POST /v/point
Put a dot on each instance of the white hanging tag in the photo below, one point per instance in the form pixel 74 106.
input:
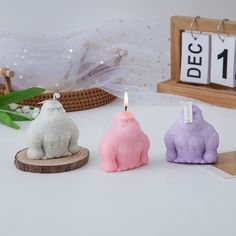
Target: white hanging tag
pixel 188 112
pixel 195 63
pixel 223 60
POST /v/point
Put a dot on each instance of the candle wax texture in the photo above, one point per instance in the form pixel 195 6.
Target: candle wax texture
pixel 124 146
pixel 52 133
pixel 194 142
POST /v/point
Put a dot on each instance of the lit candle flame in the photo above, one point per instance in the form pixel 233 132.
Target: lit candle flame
pixel 126 100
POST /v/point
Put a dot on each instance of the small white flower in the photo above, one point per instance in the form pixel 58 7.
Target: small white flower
pixel 13 106
pixel 19 110
pixel 34 115
pixel 36 109
pixel 26 109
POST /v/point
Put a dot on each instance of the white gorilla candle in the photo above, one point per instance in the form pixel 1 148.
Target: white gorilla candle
pixel 52 134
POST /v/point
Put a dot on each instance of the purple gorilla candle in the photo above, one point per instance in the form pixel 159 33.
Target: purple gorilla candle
pixel 124 146
pixel 195 142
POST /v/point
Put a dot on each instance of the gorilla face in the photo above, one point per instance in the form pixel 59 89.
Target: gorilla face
pixel 125 123
pixel 52 109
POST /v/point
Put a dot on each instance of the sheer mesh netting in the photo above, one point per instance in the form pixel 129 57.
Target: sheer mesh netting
pixel 115 55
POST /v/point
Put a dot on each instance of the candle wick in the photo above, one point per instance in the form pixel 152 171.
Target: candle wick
pixel 126 107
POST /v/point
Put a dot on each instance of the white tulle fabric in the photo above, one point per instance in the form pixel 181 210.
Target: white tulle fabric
pixel 115 55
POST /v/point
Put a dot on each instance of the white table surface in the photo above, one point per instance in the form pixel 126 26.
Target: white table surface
pixel 158 199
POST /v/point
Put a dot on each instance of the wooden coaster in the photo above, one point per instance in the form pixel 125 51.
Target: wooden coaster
pixel 227 163
pixel 54 165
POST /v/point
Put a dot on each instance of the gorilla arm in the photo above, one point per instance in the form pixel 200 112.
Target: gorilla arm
pixel 108 156
pixel 211 145
pixel 73 145
pixel 144 154
pixel 35 150
pixel 171 153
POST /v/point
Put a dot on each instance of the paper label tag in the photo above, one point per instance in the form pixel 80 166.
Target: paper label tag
pixel 188 112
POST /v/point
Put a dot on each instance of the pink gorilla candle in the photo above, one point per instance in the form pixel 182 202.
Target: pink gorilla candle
pixel 124 146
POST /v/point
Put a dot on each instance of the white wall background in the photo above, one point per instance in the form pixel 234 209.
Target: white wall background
pixel 44 16
pixel 63 15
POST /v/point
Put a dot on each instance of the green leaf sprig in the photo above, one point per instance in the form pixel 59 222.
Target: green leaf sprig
pixel 7 116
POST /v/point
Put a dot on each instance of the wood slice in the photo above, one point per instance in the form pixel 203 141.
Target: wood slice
pixel 54 165
pixel 227 162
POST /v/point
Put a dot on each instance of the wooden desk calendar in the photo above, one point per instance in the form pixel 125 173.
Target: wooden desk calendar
pixel 211 93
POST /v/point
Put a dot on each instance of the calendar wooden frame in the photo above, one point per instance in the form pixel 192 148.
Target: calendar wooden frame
pixel 212 93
